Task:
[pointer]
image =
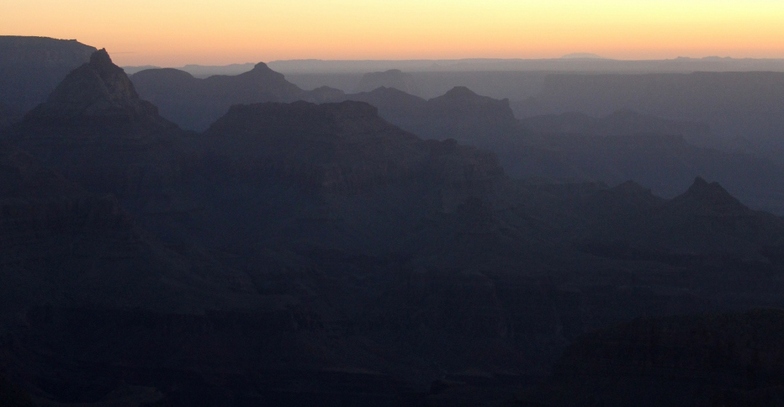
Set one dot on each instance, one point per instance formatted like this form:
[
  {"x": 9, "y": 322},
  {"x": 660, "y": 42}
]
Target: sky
[{"x": 179, "y": 32}]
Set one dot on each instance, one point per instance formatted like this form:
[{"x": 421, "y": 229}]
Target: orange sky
[{"x": 177, "y": 32}]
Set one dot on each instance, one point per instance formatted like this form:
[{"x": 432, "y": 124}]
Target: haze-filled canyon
[{"x": 566, "y": 232}]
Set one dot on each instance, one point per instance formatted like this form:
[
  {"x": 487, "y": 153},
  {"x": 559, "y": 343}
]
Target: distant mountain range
[
  {"x": 581, "y": 63},
  {"x": 662, "y": 154}
]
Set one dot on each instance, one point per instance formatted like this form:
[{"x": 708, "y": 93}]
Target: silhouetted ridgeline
[
  {"x": 662, "y": 154},
  {"x": 326, "y": 254}
]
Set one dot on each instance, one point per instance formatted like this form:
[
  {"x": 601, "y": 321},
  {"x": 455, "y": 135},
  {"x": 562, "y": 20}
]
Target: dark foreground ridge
[{"x": 715, "y": 359}]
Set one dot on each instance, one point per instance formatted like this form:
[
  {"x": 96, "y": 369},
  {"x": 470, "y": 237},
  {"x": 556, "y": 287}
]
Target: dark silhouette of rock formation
[
  {"x": 96, "y": 130},
  {"x": 196, "y": 103}
]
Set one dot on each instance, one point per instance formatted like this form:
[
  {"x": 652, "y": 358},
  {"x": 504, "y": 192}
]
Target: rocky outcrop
[{"x": 98, "y": 89}]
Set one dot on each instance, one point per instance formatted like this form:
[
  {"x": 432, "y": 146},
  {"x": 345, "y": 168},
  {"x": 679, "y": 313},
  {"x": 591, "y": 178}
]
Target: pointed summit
[
  {"x": 711, "y": 192},
  {"x": 262, "y": 67},
  {"x": 101, "y": 58},
  {"x": 96, "y": 89},
  {"x": 95, "y": 130},
  {"x": 709, "y": 198},
  {"x": 460, "y": 92}
]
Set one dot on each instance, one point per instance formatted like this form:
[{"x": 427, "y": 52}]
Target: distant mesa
[
  {"x": 582, "y": 55},
  {"x": 710, "y": 197},
  {"x": 393, "y": 78}
]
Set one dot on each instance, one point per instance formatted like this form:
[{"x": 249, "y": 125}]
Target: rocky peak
[
  {"x": 98, "y": 88},
  {"x": 711, "y": 195},
  {"x": 100, "y": 60},
  {"x": 261, "y": 69},
  {"x": 271, "y": 82}
]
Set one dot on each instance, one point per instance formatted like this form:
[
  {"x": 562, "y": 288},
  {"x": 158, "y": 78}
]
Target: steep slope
[
  {"x": 95, "y": 130},
  {"x": 195, "y": 103},
  {"x": 706, "y": 218}
]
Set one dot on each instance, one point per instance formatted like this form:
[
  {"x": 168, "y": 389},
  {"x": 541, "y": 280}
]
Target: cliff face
[
  {"x": 31, "y": 67},
  {"x": 459, "y": 114},
  {"x": 344, "y": 146}
]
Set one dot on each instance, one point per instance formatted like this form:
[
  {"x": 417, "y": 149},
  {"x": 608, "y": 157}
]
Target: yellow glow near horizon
[{"x": 176, "y": 32}]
